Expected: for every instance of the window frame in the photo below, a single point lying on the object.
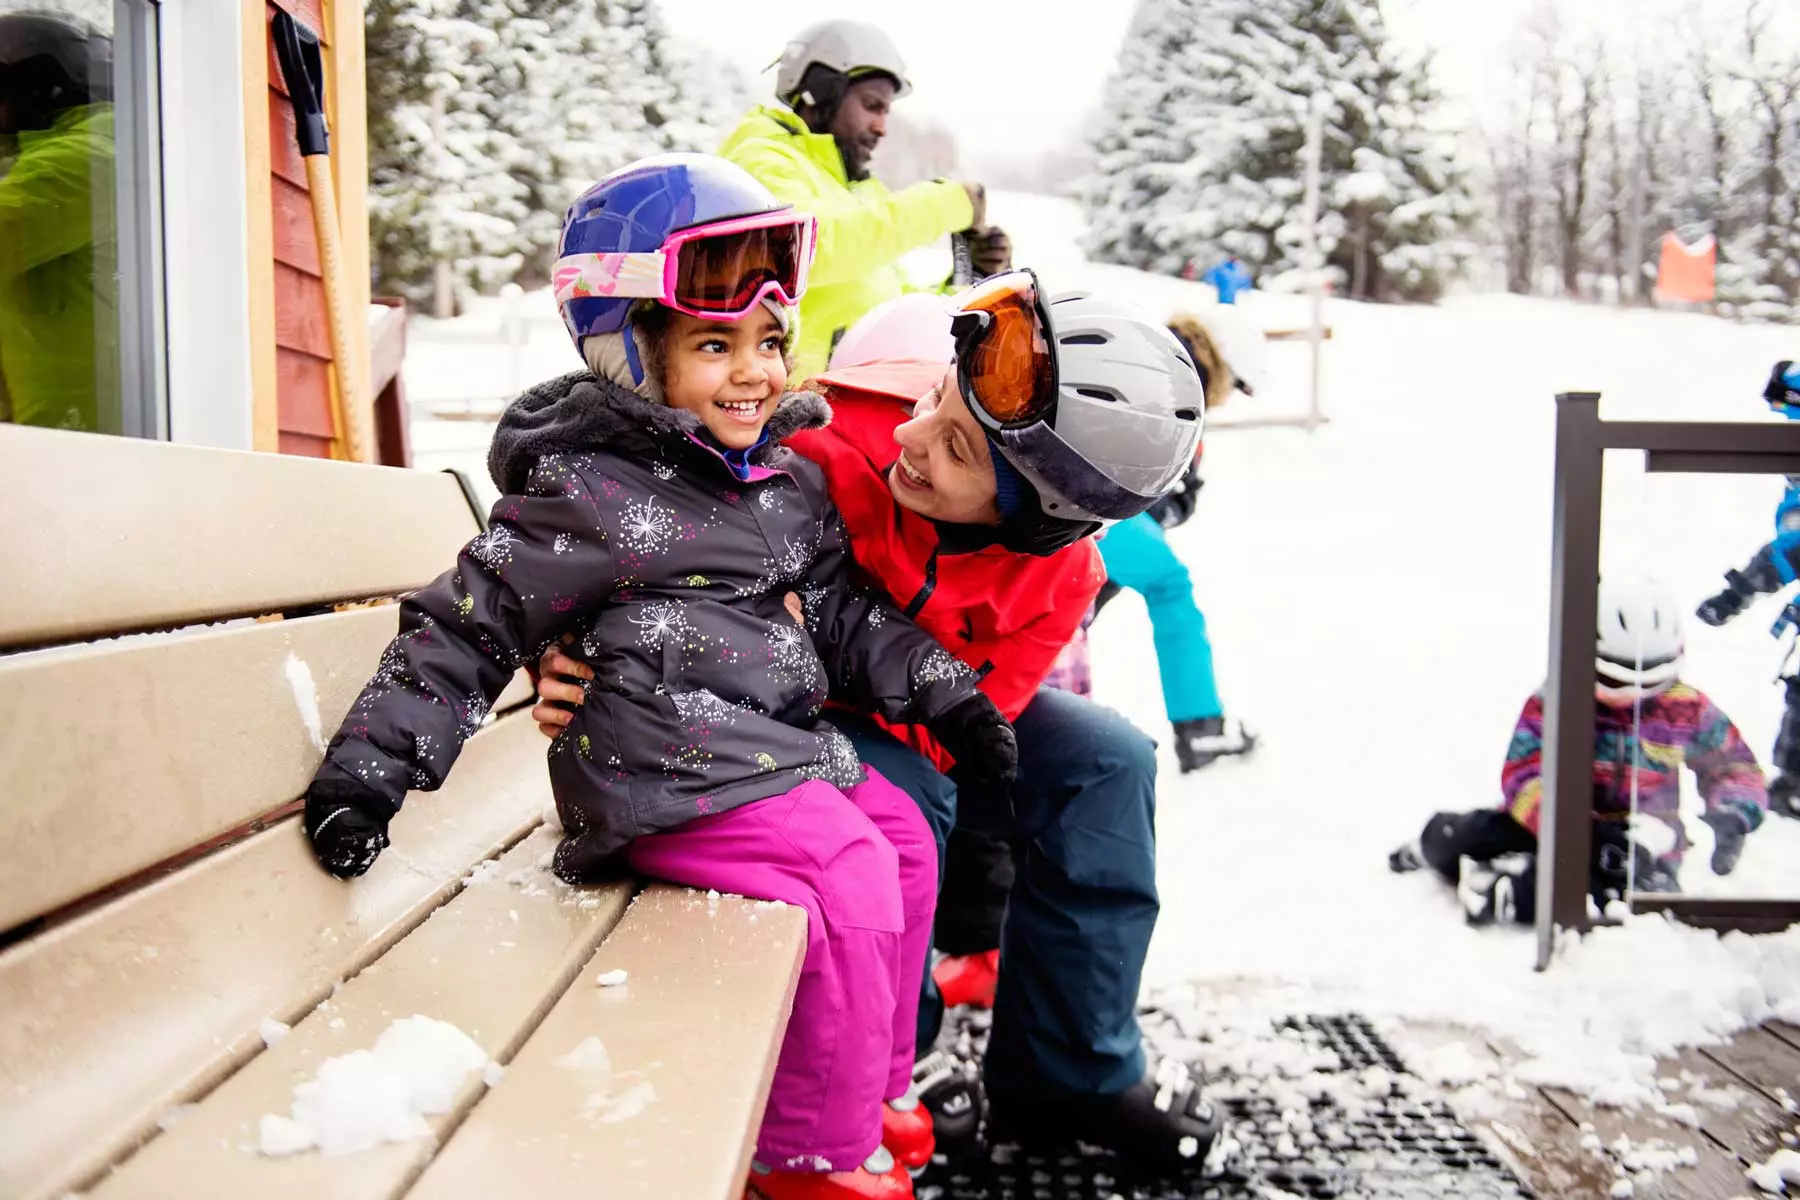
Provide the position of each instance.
(139, 215)
(205, 222)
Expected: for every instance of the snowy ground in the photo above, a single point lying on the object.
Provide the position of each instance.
(1377, 591)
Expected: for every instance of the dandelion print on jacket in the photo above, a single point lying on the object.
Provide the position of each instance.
(681, 572)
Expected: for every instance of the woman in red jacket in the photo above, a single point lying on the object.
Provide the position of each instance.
(969, 490)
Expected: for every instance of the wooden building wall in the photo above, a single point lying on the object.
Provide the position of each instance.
(291, 355)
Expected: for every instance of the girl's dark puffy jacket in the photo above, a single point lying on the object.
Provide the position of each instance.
(622, 523)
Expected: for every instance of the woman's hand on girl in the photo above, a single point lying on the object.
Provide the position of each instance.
(558, 689)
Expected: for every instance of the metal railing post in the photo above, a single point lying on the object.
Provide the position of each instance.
(1566, 817)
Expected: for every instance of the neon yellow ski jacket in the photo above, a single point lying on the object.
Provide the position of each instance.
(58, 274)
(863, 227)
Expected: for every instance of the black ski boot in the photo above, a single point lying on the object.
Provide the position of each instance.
(1498, 891)
(1162, 1123)
(1200, 741)
(1784, 795)
(949, 1086)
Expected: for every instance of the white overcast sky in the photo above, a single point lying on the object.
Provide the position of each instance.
(1018, 76)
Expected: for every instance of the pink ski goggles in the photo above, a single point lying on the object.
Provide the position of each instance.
(719, 271)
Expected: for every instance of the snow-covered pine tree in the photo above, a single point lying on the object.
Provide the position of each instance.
(439, 189)
(604, 85)
(1140, 147)
(1200, 154)
(487, 117)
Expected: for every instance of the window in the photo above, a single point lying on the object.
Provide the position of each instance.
(81, 279)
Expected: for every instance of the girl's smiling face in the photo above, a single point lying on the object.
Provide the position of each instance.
(945, 470)
(728, 373)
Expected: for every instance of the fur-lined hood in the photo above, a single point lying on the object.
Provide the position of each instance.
(580, 411)
(1205, 351)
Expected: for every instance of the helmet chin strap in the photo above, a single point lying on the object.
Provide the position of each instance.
(633, 362)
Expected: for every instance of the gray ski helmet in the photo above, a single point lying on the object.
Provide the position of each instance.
(1130, 410)
(851, 48)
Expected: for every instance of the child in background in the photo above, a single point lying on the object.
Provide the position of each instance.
(1649, 724)
(650, 510)
(1228, 353)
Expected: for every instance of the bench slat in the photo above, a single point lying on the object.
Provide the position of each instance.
(192, 735)
(693, 1036)
(106, 534)
(490, 962)
(109, 1020)
(135, 751)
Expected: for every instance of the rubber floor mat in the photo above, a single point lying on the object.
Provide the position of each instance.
(1375, 1132)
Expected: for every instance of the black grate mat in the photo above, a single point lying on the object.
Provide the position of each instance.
(1400, 1146)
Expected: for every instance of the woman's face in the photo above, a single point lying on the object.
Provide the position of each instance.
(945, 471)
(727, 373)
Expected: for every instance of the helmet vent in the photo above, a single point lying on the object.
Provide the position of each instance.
(1187, 414)
(1085, 339)
(1093, 393)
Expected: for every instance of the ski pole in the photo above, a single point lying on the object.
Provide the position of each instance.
(962, 270)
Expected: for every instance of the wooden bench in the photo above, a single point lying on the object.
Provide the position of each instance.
(160, 900)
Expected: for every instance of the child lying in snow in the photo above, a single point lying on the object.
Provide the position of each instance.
(1648, 725)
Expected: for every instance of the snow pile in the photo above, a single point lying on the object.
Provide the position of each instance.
(1613, 1003)
(367, 1097)
(1773, 1176)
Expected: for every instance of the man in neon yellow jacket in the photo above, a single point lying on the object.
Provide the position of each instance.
(836, 82)
(59, 365)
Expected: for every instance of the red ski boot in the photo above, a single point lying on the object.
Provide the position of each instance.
(907, 1133)
(880, 1178)
(968, 979)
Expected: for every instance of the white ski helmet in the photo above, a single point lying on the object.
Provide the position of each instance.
(1130, 410)
(915, 325)
(1638, 647)
(851, 48)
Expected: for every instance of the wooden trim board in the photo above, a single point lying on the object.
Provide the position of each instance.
(259, 267)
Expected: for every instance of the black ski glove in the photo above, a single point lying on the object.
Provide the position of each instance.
(1178, 505)
(1782, 389)
(1729, 830)
(347, 826)
(990, 251)
(981, 741)
(1716, 610)
(1758, 577)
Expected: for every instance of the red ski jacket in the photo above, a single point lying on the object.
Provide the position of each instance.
(1006, 614)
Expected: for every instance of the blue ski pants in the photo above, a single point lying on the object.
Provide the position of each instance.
(1082, 908)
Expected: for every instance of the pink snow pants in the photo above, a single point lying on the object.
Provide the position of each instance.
(864, 867)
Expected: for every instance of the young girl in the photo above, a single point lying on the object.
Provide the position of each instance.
(650, 510)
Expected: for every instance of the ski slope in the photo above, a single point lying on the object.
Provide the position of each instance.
(1377, 594)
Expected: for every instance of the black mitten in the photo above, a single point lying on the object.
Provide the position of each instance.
(347, 826)
(980, 739)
